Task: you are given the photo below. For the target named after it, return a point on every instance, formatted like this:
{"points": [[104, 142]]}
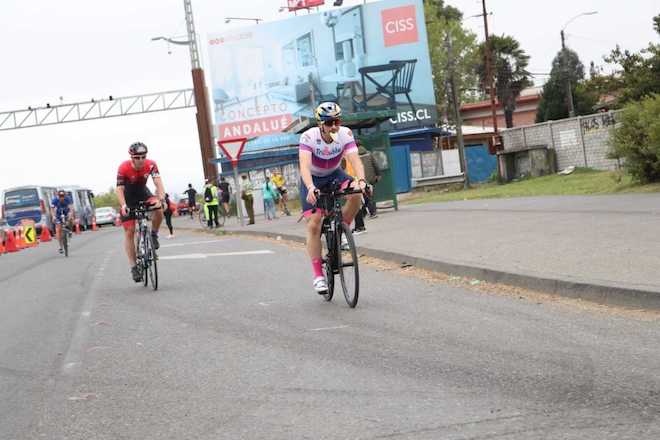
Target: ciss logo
{"points": [[399, 25]]}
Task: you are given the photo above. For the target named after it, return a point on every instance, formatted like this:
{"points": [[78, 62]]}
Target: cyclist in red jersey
{"points": [[132, 188]]}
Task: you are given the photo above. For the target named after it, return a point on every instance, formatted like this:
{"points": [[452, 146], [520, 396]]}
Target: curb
{"points": [[597, 293]]}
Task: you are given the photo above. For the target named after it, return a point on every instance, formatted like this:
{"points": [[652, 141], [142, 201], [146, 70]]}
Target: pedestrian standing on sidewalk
{"points": [[246, 195], [372, 174], [270, 196], [211, 203], [225, 192], [170, 208], [278, 180]]}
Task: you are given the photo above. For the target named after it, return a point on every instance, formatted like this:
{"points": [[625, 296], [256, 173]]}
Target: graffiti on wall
{"points": [[598, 122]]}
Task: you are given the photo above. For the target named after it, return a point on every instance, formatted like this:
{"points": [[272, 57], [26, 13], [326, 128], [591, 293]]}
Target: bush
{"points": [[637, 139]]}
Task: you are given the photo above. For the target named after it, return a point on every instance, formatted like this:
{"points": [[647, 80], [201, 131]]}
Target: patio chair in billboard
{"points": [[380, 78], [317, 96], [403, 82]]}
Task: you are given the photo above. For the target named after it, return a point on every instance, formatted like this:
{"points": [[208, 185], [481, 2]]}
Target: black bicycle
{"points": [[65, 235], [340, 259], [203, 220], [146, 258]]}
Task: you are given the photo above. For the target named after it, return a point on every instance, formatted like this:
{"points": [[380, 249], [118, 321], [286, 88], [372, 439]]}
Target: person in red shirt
{"points": [[132, 188]]}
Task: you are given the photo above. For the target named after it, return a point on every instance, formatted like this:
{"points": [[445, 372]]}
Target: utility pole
{"points": [[489, 76], [457, 111], [201, 100], [569, 91]]}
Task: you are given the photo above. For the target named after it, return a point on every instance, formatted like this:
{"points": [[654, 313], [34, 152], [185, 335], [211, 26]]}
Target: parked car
{"points": [[105, 216], [182, 207]]}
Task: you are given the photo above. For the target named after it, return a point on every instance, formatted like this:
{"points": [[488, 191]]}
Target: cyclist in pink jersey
{"points": [[320, 154]]}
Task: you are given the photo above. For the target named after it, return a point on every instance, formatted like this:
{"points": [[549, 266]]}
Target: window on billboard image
{"points": [[305, 50]]}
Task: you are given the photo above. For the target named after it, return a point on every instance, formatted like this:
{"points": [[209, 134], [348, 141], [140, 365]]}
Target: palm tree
{"points": [[510, 72]]}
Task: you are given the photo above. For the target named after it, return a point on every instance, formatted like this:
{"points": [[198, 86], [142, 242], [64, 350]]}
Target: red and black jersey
{"points": [[131, 178]]}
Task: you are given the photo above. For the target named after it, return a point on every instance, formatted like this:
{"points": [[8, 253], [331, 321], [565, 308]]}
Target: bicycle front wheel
{"points": [[202, 218], [328, 266], [152, 265], [65, 242], [347, 262]]}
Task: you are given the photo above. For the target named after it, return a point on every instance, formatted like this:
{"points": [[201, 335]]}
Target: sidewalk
{"points": [[601, 248]]}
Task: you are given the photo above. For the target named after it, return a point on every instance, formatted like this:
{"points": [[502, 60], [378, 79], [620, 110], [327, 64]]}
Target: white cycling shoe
{"points": [[320, 285]]}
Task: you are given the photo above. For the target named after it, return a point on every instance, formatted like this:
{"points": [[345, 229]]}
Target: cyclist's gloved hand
{"points": [[311, 195], [363, 185]]}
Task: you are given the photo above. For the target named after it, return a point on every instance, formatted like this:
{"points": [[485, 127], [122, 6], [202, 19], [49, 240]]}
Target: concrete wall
{"points": [[582, 141]]}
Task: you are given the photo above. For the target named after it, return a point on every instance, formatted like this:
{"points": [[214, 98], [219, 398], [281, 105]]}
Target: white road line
{"points": [[328, 328], [190, 243], [221, 254], [74, 354]]}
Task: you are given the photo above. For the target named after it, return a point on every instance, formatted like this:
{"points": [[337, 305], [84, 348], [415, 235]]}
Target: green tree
{"points": [[554, 104], [107, 199], [444, 21], [635, 76], [509, 66], [637, 139]]}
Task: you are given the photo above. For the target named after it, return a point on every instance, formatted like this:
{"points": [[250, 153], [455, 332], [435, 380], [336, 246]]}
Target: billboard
{"points": [[294, 5], [367, 57]]}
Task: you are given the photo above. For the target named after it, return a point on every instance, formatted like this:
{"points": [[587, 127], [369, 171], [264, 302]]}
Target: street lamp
{"points": [[569, 91], [201, 95], [229, 19]]}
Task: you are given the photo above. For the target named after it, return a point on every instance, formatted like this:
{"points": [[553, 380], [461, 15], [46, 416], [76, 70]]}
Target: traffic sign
{"points": [[29, 234], [232, 148]]}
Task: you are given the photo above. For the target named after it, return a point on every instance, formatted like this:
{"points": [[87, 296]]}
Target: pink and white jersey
{"points": [[327, 157]]}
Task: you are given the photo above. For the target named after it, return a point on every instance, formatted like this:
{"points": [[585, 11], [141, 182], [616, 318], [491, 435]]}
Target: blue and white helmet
{"points": [[327, 111]]}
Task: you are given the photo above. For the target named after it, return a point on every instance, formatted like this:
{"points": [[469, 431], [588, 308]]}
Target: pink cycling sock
{"points": [[316, 265]]}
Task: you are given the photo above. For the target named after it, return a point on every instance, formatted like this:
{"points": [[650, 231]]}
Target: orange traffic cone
{"points": [[11, 242], [94, 228], [77, 227], [20, 243], [45, 235]]}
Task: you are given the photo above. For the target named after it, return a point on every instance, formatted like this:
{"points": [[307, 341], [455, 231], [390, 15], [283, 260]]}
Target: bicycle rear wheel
{"points": [[347, 262], [328, 266]]}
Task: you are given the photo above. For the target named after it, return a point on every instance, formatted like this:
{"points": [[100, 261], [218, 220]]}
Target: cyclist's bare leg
{"points": [[156, 219], [58, 234], [226, 206], [314, 223], [129, 243], [352, 206]]}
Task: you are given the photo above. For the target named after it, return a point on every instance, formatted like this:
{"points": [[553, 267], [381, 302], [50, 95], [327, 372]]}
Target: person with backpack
{"points": [[211, 203]]}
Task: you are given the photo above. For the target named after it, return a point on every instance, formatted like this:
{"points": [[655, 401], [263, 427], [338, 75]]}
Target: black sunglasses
{"points": [[332, 123], [138, 157]]}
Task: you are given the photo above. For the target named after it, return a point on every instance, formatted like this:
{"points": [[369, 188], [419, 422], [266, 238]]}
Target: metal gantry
{"points": [[97, 109]]}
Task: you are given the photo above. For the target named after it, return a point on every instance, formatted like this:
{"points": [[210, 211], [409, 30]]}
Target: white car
{"points": [[106, 216]]}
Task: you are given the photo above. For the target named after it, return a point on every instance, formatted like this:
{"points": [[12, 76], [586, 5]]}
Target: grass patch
{"points": [[581, 182]]}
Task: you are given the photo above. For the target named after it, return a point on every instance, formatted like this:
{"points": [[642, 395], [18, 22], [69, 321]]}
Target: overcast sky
{"points": [[82, 49]]}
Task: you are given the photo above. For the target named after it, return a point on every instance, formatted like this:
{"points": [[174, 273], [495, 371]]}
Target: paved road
{"points": [[239, 347], [609, 241]]}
